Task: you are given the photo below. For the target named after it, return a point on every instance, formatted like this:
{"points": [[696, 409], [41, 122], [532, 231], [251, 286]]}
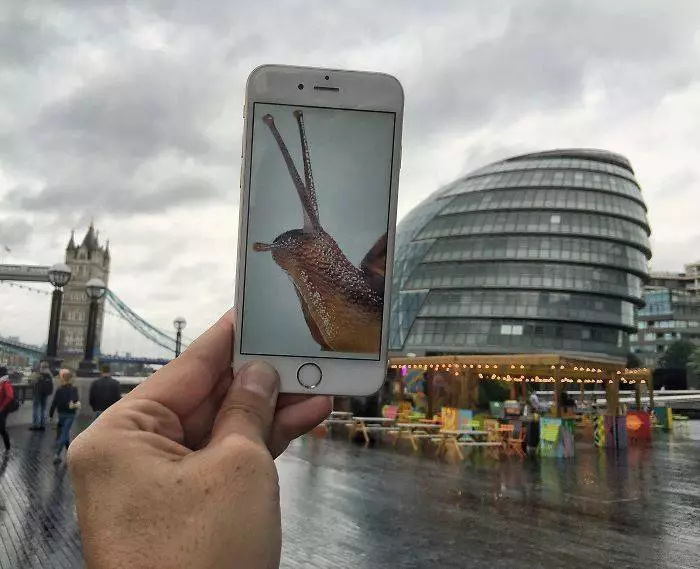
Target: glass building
{"points": [[671, 313], [541, 253]]}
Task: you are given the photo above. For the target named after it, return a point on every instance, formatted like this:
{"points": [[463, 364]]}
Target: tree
{"points": [[694, 362], [633, 361], [677, 355]]}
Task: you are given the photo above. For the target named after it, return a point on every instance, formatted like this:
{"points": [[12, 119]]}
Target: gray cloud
{"points": [[131, 112], [14, 233], [113, 200], [25, 37], [134, 115], [672, 255], [546, 57]]}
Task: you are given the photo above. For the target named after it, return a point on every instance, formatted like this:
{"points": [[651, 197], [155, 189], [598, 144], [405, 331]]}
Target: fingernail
{"points": [[261, 378]]}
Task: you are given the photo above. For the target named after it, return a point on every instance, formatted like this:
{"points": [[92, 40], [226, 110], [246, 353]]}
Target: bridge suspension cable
{"points": [[122, 310], [142, 326]]}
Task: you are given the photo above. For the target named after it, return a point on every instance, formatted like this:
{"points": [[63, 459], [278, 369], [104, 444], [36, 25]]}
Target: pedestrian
{"points": [[42, 389], [7, 398], [104, 392], [66, 401]]}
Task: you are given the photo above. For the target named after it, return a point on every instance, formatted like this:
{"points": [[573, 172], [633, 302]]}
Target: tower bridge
{"points": [[85, 261]]}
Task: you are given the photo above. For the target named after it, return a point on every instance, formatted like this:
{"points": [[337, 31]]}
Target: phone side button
{"points": [[309, 375]]}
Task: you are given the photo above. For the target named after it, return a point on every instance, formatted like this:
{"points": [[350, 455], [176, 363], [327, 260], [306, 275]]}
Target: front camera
{"points": [[327, 77], [300, 86]]}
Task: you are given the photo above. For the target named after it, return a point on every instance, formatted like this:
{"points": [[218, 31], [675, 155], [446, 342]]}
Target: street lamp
{"points": [[95, 289], [179, 324], [59, 276]]}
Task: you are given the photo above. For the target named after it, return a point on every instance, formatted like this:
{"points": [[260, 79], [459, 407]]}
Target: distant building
{"points": [[672, 312], [87, 260], [541, 253]]}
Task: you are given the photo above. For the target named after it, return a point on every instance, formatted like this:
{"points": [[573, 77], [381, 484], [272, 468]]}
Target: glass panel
{"points": [[470, 335], [533, 304], [536, 221], [482, 179], [576, 249], [405, 307]]}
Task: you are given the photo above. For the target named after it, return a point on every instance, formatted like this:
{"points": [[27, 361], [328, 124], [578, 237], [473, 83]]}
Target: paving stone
{"points": [[348, 506]]}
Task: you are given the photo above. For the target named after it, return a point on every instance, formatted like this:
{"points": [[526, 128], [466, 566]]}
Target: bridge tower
{"points": [[88, 260]]}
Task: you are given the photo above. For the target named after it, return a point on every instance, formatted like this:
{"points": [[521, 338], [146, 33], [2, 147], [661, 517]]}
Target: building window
{"points": [[511, 329]]}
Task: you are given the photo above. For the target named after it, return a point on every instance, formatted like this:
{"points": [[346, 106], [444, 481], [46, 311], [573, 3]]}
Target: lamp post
{"points": [[95, 289], [59, 276], [179, 324]]}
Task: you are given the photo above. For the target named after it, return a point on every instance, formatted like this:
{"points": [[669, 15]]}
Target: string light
{"points": [[625, 376]]}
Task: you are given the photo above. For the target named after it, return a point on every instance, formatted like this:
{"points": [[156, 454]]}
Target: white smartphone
{"points": [[319, 183]]}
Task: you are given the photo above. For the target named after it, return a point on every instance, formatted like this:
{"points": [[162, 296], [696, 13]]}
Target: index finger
{"points": [[184, 383]]}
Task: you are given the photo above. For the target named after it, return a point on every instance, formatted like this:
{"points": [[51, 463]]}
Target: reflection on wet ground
{"points": [[349, 506]]}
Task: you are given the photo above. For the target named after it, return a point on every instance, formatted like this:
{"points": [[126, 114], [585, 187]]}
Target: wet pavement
{"points": [[345, 505]]}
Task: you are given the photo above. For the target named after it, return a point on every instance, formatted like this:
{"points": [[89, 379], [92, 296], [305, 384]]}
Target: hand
{"points": [[180, 472]]}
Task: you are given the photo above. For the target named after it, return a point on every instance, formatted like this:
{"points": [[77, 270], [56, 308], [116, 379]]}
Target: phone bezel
{"points": [[278, 84]]}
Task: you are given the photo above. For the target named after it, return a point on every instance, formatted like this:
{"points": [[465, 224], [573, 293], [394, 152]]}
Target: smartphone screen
{"points": [[318, 219]]}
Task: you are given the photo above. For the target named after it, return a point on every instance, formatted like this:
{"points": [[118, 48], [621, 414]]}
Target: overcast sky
{"points": [[130, 113]]}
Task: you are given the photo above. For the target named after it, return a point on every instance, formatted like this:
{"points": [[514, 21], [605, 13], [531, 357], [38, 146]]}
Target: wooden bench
{"points": [[413, 432], [365, 425], [478, 444]]}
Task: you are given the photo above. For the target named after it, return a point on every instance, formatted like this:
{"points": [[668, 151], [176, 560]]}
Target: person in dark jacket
{"points": [[42, 389], [7, 394], [66, 401], [104, 392]]}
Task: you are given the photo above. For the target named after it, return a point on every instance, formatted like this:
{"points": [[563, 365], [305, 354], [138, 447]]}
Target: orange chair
{"points": [[515, 444], [507, 432], [494, 436]]}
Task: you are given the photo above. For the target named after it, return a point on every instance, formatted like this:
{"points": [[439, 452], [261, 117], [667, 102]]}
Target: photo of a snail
{"points": [[341, 303]]}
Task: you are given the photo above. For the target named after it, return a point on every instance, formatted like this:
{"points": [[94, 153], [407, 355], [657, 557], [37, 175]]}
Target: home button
{"points": [[309, 375]]}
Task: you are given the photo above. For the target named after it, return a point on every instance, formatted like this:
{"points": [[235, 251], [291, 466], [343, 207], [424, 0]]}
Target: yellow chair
{"points": [[450, 421]]}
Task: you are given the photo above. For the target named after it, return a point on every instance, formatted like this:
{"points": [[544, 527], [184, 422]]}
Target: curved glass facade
{"points": [[546, 252]]}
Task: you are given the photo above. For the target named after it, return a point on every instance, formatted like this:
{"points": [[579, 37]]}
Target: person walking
{"points": [[104, 392], [42, 389], [7, 396], [66, 401]]}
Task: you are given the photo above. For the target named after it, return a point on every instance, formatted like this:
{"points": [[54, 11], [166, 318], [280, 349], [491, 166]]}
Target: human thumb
{"points": [[248, 408]]}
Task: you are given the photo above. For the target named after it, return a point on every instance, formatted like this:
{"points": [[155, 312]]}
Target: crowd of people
{"points": [[104, 392]]}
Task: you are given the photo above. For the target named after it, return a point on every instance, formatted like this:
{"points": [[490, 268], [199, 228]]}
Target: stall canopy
{"points": [[533, 368]]}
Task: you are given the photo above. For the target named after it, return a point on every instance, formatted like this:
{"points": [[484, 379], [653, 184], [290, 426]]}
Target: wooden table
{"points": [[339, 418], [463, 438], [413, 432], [366, 424], [504, 432], [341, 414]]}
